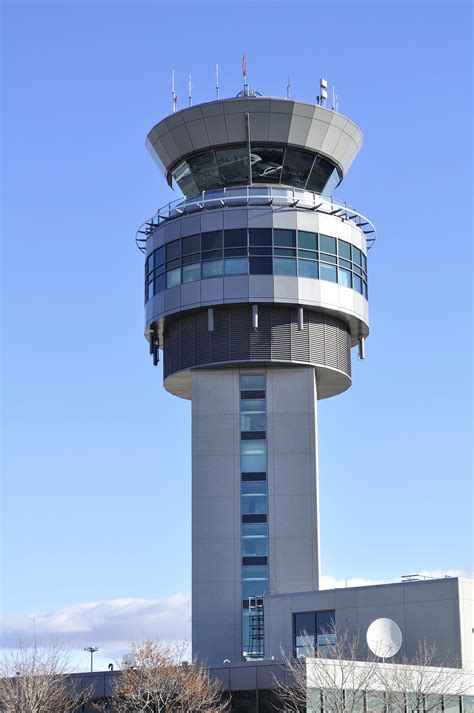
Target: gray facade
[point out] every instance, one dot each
(292, 495)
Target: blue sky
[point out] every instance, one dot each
(96, 490)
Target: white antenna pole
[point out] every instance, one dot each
(288, 89)
(190, 91)
(173, 94)
(217, 81)
(244, 74)
(337, 103)
(333, 98)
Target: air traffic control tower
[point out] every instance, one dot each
(255, 293)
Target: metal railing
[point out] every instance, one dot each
(256, 196)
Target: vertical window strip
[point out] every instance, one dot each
(254, 499)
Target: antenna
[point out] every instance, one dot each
(333, 98)
(244, 74)
(190, 91)
(323, 91)
(337, 103)
(173, 93)
(217, 81)
(288, 89)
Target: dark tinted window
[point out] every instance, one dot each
(211, 240)
(344, 249)
(173, 250)
(160, 256)
(232, 165)
(260, 265)
(204, 171)
(260, 236)
(191, 244)
(235, 238)
(305, 624)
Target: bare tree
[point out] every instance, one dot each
(419, 683)
(335, 672)
(35, 679)
(161, 680)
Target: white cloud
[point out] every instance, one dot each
(111, 625)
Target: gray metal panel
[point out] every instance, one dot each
(212, 220)
(212, 290)
(182, 139)
(191, 225)
(172, 298)
(260, 287)
(236, 287)
(198, 134)
(235, 218)
(235, 124)
(299, 130)
(259, 127)
(216, 129)
(191, 294)
(285, 288)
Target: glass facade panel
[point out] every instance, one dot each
(173, 278)
(191, 244)
(235, 238)
(173, 250)
(254, 539)
(307, 268)
(236, 266)
(260, 265)
(191, 273)
(253, 456)
(267, 164)
(344, 249)
(452, 704)
(327, 244)
(256, 259)
(211, 240)
(252, 416)
(375, 702)
(345, 277)
(284, 266)
(185, 180)
(328, 272)
(357, 283)
(260, 236)
(252, 382)
(212, 269)
(284, 238)
(254, 497)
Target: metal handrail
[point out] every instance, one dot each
(251, 195)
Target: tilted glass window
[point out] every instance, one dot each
(233, 165)
(297, 165)
(191, 244)
(267, 162)
(253, 456)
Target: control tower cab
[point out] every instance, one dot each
(255, 292)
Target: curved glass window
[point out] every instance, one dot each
(284, 165)
(256, 251)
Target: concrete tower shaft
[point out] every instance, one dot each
(255, 291)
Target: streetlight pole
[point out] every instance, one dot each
(92, 650)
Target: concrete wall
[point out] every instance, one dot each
(292, 500)
(424, 610)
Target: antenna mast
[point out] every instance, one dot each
(217, 81)
(190, 91)
(174, 98)
(288, 89)
(244, 74)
